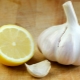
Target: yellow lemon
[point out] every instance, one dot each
(16, 45)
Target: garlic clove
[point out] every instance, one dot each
(46, 44)
(40, 69)
(50, 31)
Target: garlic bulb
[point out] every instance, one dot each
(40, 69)
(61, 43)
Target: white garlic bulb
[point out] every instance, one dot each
(40, 69)
(61, 43)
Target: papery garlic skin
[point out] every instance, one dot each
(61, 43)
(40, 69)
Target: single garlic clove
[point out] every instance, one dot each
(40, 69)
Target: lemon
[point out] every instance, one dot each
(16, 45)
